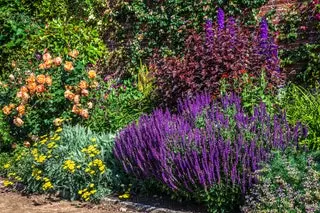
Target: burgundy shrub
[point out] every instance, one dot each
(219, 52)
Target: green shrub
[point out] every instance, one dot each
(252, 91)
(304, 105)
(73, 161)
(290, 183)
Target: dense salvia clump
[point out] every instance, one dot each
(223, 49)
(204, 143)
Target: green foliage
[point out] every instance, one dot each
(72, 161)
(252, 91)
(4, 158)
(5, 137)
(299, 32)
(304, 105)
(127, 103)
(290, 183)
(222, 198)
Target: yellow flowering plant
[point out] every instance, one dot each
(73, 161)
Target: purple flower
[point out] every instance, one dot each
(220, 19)
(209, 33)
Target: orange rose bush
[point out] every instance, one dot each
(56, 88)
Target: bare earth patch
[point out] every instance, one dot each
(14, 202)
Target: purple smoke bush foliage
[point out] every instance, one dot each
(205, 143)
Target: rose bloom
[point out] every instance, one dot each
(76, 99)
(6, 110)
(92, 74)
(83, 85)
(94, 84)
(12, 106)
(18, 122)
(46, 57)
(57, 61)
(31, 78)
(68, 87)
(42, 66)
(14, 146)
(40, 88)
(26, 144)
(84, 92)
(24, 96)
(73, 53)
(23, 89)
(90, 105)
(68, 66)
(49, 80)
(11, 77)
(41, 79)
(75, 109)
(69, 95)
(13, 64)
(84, 113)
(32, 87)
(21, 109)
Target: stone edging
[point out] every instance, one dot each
(139, 206)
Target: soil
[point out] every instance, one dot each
(14, 202)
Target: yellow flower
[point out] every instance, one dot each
(57, 121)
(51, 145)
(93, 191)
(80, 192)
(91, 185)
(47, 185)
(70, 165)
(125, 196)
(43, 141)
(6, 166)
(59, 130)
(93, 139)
(7, 183)
(92, 74)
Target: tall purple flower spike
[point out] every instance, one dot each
(220, 19)
(268, 47)
(209, 33)
(203, 144)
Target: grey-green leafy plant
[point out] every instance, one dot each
(290, 183)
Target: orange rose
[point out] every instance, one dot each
(18, 122)
(23, 89)
(84, 113)
(40, 88)
(92, 74)
(42, 66)
(76, 99)
(6, 110)
(83, 85)
(67, 87)
(68, 66)
(75, 109)
(73, 53)
(57, 61)
(84, 92)
(69, 95)
(41, 79)
(32, 87)
(49, 80)
(48, 64)
(12, 106)
(31, 78)
(46, 57)
(21, 110)
(26, 144)
(24, 96)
